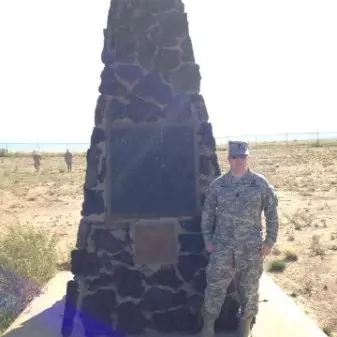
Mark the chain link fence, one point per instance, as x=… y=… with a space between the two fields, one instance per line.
x=287 y=139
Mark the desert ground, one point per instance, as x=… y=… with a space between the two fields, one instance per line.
x=304 y=260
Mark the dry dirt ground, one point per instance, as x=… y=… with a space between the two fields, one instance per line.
x=305 y=177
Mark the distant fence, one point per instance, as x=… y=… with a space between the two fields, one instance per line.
x=44 y=147
x=287 y=137
x=317 y=137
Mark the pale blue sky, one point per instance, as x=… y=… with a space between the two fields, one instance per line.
x=267 y=66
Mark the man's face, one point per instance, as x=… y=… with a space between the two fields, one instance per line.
x=238 y=164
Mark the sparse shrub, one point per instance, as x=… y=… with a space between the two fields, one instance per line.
x=327 y=330
x=290 y=256
x=297 y=226
x=277 y=266
x=316 y=247
x=65 y=261
x=305 y=216
x=276 y=251
x=291 y=237
x=308 y=287
x=28 y=260
x=301 y=218
x=3 y=153
x=324 y=224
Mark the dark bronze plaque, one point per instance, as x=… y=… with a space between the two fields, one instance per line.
x=155 y=241
x=152 y=171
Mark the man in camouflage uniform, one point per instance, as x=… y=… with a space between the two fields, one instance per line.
x=37 y=161
x=68 y=158
x=232 y=232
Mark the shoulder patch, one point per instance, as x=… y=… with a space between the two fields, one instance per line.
x=253 y=182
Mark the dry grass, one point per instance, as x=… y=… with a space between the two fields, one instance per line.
x=306 y=180
x=277 y=266
x=39 y=214
x=28 y=259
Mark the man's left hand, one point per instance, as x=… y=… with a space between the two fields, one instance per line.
x=266 y=249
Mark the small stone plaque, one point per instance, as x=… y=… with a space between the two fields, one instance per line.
x=155 y=241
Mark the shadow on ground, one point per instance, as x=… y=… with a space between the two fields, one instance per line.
x=48 y=323
x=45 y=324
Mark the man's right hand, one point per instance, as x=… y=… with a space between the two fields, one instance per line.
x=209 y=247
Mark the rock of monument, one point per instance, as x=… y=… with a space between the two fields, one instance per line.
x=140 y=261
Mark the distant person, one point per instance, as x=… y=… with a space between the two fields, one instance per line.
x=68 y=158
x=233 y=235
x=37 y=161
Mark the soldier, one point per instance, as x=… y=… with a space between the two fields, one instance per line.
x=37 y=161
x=68 y=158
x=232 y=232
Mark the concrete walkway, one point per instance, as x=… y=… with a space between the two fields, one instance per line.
x=279 y=316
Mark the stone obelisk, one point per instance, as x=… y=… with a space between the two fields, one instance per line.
x=140 y=260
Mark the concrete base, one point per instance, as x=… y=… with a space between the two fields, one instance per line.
x=279 y=316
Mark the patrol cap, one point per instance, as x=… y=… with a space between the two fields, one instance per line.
x=237 y=148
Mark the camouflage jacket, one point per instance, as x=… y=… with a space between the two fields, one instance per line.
x=232 y=212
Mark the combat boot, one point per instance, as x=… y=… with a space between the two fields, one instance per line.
x=244 y=329
x=208 y=326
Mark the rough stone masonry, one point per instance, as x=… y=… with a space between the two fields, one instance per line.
x=140 y=260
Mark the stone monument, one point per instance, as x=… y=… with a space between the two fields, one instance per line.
x=140 y=260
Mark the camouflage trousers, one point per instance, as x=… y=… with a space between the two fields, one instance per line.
x=223 y=267
x=69 y=164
